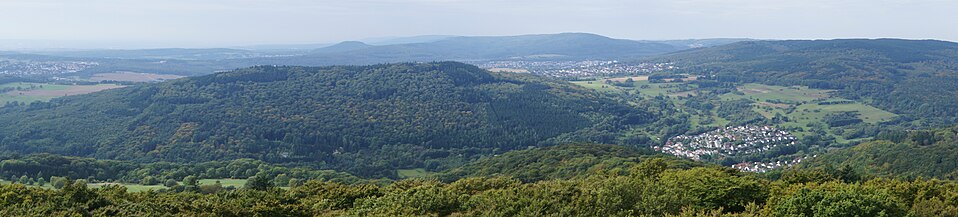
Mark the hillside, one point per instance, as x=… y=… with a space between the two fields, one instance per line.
x=342 y=47
x=575 y=46
x=915 y=78
x=927 y=153
x=363 y=119
x=559 y=163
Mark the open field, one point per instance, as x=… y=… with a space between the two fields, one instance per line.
x=131 y=77
x=640 y=84
x=761 y=93
x=32 y=92
x=634 y=78
x=799 y=104
x=413 y=173
x=599 y=86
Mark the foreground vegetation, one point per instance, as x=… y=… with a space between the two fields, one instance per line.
x=648 y=188
x=911 y=154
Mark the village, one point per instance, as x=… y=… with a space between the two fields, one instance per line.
x=18 y=67
x=730 y=142
x=589 y=68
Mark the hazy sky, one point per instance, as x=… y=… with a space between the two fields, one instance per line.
x=209 y=23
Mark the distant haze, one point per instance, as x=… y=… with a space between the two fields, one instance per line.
x=221 y=23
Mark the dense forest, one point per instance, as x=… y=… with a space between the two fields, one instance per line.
x=44 y=166
x=366 y=120
x=649 y=187
x=915 y=78
x=897 y=153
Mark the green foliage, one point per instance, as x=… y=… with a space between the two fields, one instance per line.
x=557 y=162
x=693 y=192
x=170 y=183
x=920 y=153
x=739 y=112
x=259 y=182
x=713 y=188
x=129 y=172
x=149 y=180
x=190 y=180
x=833 y=199
x=281 y=180
x=651 y=187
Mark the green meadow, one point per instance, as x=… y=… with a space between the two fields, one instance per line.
x=801 y=105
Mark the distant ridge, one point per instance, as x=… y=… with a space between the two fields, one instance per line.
x=342 y=47
x=563 y=46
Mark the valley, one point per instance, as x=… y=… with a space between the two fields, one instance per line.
x=351 y=139
x=462 y=108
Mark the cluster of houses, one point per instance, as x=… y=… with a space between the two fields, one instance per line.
x=761 y=167
x=589 y=68
x=28 y=67
x=730 y=142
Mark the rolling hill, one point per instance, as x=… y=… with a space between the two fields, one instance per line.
x=363 y=119
x=342 y=47
x=564 y=46
x=918 y=78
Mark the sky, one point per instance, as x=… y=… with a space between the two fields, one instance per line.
x=219 y=23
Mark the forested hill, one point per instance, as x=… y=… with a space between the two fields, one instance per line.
x=917 y=78
x=362 y=119
x=924 y=153
x=562 y=162
x=576 y=46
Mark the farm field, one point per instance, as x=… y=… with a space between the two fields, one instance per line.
x=413 y=173
x=805 y=108
x=760 y=92
x=32 y=92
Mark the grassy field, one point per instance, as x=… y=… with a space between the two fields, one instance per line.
x=776 y=99
x=761 y=93
x=640 y=84
x=599 y=86
x=413 y=173
x=32 y=92
x=799 y=104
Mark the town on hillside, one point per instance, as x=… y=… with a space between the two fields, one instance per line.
x=730 y=142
